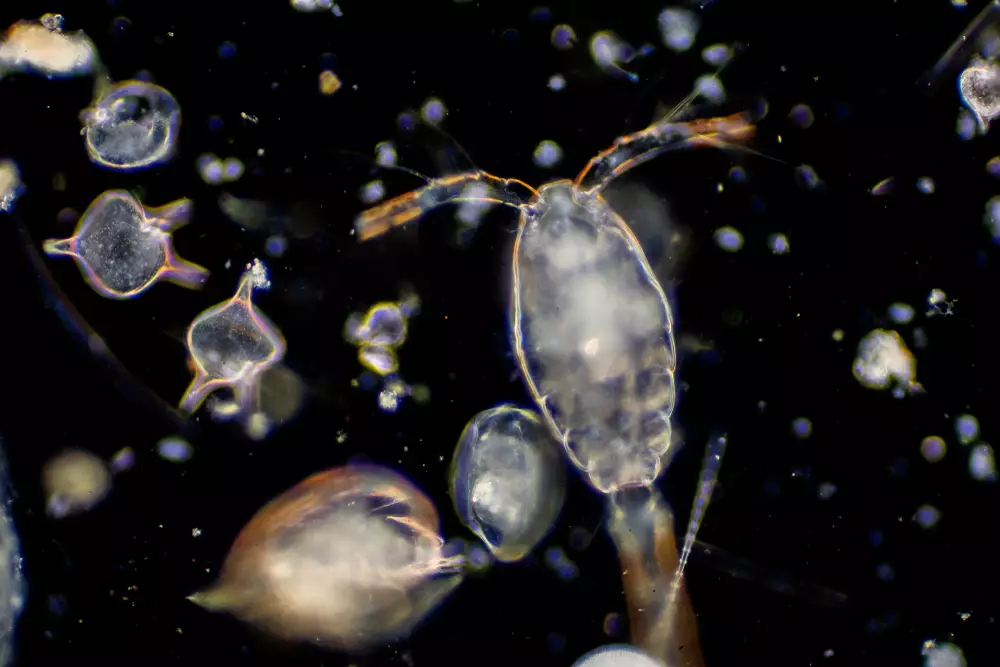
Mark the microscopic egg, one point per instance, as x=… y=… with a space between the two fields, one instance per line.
x=133 y=125
x=507 y=480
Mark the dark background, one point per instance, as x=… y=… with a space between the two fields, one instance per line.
x=111 y=583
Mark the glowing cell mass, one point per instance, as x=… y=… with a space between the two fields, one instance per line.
x=132 y=125
x=230 y=346
x=123 y=248
x=507 y=480
x=348 y=558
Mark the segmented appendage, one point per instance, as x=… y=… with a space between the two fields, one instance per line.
x=593 y=334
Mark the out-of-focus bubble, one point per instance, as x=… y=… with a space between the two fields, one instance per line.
x=710 y=87
x=993 y=167
x=716 y=55
x=728 y=238
x=232 y=169
x=617 y=655
x=557 y=82
x=979 y=86
x=884 y=361
x=433 y=111
x=123 y=248
x=133 y=125
x=807 y=177
x=74 y=481
x=329 y=82
x=563 y=37
x=209 y=168
x=41 y=47
x=174 y=449
x=507 y=480
x=926 y=185
x=547 y=154
x=933 y=448
x=560 y=563
x=883 y=187
x=982 y=463
x=802 y=116
x=738 y=174
x=678 y=28
x=802 y=428
x=122 y=460
x=349 y=558
x=385 y=154
x=966 y=429
x=276 y=245
x=944 y=654
x=927 y=516
x=778 y=244
x=227 y=51
x=10 y=185
x=901 y=313
x=965 y=125
x=826 y=490
x=372 y=192
x=282 y=394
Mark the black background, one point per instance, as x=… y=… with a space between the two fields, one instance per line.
x=111 y=583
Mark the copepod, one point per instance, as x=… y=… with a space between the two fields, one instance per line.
x=592 y=327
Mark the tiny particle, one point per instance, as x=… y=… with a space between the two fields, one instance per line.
x=716 y=55
x=802 y=116
x=883 y=187
x=901 y=313
x=433 y=111
x=196 y=532
x=329 y=82
x=802 y=428
x=933 y=448
x=729 y=239
x=563 y=37
x=174 y=449
x=557 y=82
x=927 y=516
x=837 y=335
x=806 y=176
x=678 y=28
x=547 y=154
x=966 y=429
x=982 y=464
x=826 y=491
x=926 y=185
x=227 y=51
x=778 y=243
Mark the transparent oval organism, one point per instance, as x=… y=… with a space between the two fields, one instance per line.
x=349 y=558
x=592 y=327
x=230 y=346
x=508 y=480
x=123 y=248
x=132 y=125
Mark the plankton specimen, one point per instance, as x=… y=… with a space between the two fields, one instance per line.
x=593 y=336
x=592 y=328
